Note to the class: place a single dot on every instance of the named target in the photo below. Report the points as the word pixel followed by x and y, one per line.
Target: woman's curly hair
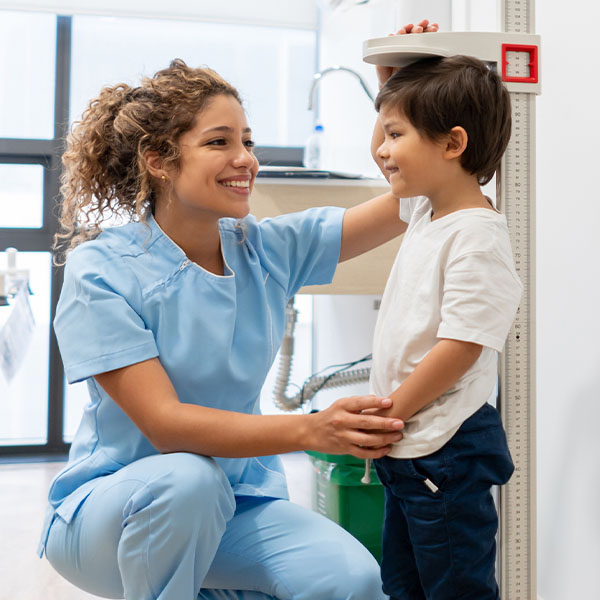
pixel 105 172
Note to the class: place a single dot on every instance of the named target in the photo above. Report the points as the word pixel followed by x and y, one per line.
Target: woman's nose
pixel 244 157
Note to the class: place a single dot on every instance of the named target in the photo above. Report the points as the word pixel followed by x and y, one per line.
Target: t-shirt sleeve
pixel 98 324
pixel 302 248
pixel 481 294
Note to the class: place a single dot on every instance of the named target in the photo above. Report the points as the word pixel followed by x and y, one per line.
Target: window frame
pixel 46 153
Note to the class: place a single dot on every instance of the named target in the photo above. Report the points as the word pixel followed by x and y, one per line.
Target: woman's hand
pixel 384 73
pixel 344 428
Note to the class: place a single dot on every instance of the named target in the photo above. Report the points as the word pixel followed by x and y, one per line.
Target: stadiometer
pixel 515 53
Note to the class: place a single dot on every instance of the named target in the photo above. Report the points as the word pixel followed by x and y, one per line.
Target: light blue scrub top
pixel 131 294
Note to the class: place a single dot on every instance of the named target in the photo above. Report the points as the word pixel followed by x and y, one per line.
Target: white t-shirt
pixel 453 278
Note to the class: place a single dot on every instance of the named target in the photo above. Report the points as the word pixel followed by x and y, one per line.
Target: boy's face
pixel 415 163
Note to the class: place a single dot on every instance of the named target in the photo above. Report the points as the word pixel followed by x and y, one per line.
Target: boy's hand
pixel 423 27
pixel 384 73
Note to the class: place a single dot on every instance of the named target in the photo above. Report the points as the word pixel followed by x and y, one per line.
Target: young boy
pixel 448 306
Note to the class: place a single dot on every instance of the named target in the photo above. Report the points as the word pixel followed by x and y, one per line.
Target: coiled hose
pixel 314 383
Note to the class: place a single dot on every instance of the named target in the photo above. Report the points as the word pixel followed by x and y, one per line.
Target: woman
pixel 172 488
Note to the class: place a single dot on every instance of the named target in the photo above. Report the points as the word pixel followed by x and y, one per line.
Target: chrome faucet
pixel 318 76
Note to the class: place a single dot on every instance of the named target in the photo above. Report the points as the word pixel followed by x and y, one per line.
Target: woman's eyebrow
pixel 226 129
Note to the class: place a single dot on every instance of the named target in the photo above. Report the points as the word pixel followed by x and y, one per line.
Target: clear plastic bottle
pixel 313 150
pixel 12 278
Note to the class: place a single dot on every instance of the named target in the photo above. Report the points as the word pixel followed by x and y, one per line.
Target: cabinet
pixel 365 274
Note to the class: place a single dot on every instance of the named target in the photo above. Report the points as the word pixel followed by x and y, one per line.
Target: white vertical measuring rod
pixel 518 552
pixel 515 53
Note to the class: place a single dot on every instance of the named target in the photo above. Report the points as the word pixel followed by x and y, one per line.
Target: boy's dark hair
pixel 437 94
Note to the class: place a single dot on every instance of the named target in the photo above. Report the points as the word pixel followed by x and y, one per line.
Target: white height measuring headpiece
pixel 516 57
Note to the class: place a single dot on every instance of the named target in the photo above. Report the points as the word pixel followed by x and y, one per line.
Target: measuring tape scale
pixel 517 373
pixel 517 16
pixel 517 504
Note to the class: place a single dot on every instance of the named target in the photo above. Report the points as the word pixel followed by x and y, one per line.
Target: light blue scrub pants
pixel 168 527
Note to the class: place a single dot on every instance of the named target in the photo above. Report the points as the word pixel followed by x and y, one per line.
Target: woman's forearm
pixel 214 432
pixel 340 429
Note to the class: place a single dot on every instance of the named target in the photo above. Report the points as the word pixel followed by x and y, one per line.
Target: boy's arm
pixel 376 221
pixel 376 141
pixel 443 366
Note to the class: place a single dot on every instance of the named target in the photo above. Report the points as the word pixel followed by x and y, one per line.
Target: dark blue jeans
pixel 441 545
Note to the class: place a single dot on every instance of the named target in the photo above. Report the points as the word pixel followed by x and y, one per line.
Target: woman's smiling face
pixel 217 165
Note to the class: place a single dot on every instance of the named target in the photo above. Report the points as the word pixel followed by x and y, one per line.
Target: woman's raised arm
pixel 369 225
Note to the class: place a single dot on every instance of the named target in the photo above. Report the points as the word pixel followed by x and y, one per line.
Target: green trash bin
pixel 339 494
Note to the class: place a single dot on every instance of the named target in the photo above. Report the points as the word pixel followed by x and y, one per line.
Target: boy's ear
pixel 456 142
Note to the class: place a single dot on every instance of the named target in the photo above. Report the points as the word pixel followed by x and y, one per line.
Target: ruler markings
pixel 517 398
pixel 517 16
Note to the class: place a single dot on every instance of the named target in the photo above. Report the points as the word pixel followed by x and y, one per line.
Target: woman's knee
pixel 191 485
pixel 361 579
pixel 347 571
pixel 183 496
pixel 354 582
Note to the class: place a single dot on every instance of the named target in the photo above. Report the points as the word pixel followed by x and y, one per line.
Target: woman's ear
pixel 154 164
pixel 456 142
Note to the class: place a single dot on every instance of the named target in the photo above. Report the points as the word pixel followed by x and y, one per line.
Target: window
pixel 21 196
pixel 24 399
pixel 63 62
pixel 28 45
pixel 256 60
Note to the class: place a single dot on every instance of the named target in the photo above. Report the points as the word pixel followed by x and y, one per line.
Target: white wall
pixel 568 292
pixel 568 275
